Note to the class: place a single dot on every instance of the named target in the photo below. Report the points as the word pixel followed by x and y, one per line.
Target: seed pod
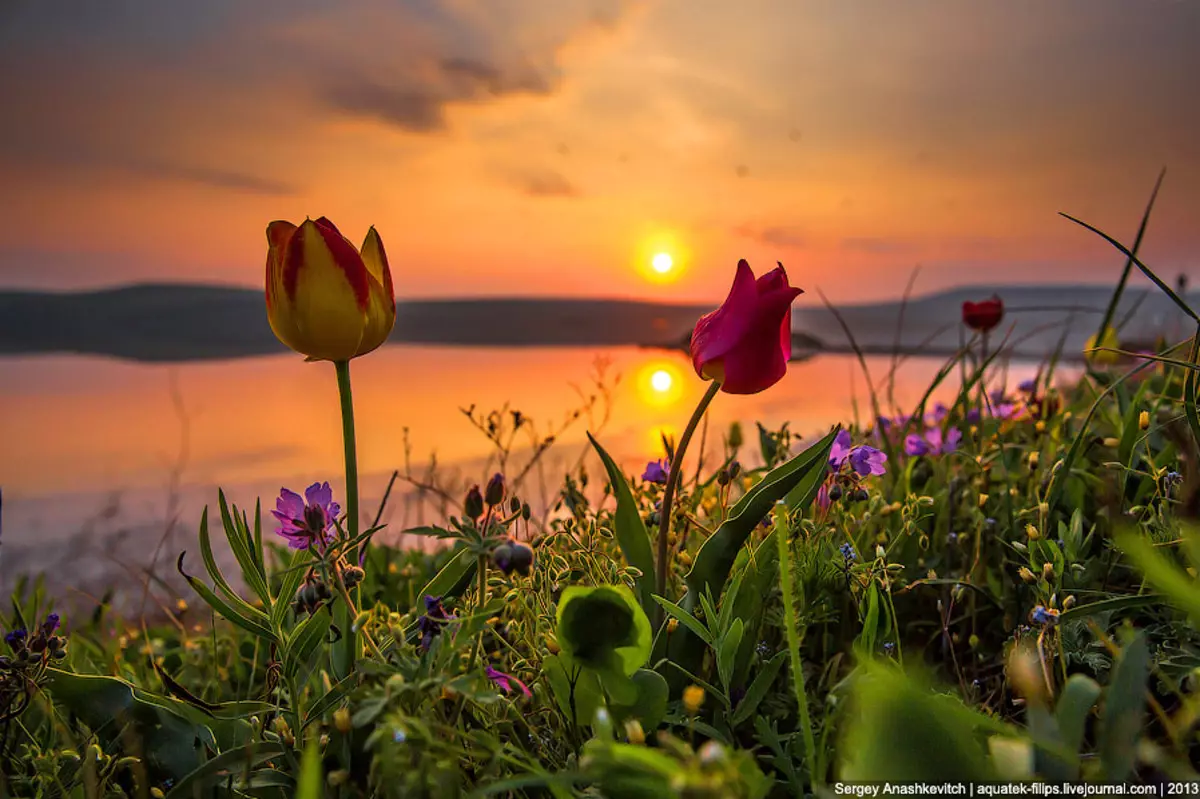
pixel 352 576
pixel 473 504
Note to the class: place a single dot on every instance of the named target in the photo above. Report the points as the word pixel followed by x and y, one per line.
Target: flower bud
pixel 1144 420
pixel 672 625
pixel 983 498
pixel 1032 532
pixel 1069 602
pixel 1039 426
pixel 514 505
pixel 735 469
pixel 341 720
pixel 693 697
pixel 634 732
pixel 1027 575
pixel 473 504
pixel 1048 571
pixel 352 576
pixel 494 493
pixel 1033 459
pixel 526 511
pixel 1111 442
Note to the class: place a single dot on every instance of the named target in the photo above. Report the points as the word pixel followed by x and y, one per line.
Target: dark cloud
pixel 777 236
pixel 545 183
pixel 877 245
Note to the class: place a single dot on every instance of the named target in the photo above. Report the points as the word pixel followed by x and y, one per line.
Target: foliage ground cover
pixel 1001 587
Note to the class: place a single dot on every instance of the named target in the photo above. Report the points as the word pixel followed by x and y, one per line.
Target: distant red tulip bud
pixel 746 343
pixel 983 316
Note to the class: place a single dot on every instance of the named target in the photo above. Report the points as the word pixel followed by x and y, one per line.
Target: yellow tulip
pixel 325 298
pixel 1108 341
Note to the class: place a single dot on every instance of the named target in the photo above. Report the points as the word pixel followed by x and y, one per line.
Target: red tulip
pixel 746 343
pixel 983 316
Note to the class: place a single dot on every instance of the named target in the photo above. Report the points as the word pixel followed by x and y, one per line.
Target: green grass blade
pixel 630 530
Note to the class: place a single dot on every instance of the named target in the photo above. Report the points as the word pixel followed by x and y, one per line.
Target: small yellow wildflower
pixel 693 697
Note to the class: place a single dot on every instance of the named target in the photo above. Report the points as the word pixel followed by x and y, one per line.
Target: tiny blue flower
pixel 1044 616
pixel 847 552
pixel 398 736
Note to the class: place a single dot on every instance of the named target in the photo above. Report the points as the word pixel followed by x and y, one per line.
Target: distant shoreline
pixel 171 323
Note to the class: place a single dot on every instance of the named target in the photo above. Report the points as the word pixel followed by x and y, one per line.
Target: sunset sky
pixel 553 148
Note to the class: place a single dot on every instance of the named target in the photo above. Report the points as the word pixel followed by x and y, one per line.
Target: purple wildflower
pixel 1027 386
pixel 940 411
pixel 16 638
pixel 306 520
pixel 51 624
pixel 841 448
pixel 973 416
pixel 433 621
pixel 932 443
pixel 867 460
pixel 915 446
pixel 656 472
pixel 505 682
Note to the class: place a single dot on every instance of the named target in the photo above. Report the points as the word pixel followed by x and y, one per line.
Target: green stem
pixel 347 400
pixel 790 622
pixel 348 646
pixel 664 522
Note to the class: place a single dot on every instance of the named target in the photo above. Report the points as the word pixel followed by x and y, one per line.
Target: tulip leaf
pixel 717 555
pixel 293 575
pixel 603 628
pixel 629 529
pixel 305 638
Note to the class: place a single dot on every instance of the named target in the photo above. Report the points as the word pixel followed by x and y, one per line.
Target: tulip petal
pixel 719 331
pixel 282 322
pixel 328 290
pixel 381 312
pixel 759 359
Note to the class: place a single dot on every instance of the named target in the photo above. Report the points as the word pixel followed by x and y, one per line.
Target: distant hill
pixel 180 322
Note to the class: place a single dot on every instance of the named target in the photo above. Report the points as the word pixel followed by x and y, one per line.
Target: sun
pixel 662 263
pixel 661 381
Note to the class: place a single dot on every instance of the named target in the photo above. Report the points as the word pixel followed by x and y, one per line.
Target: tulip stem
pixel 347 399
pixel 349 642
pixel 664 521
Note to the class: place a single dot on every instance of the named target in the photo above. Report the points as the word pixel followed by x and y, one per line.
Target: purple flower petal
pixel 290 504
pixel 915 446
pixel 953 438
pixel 319 494
pixel 841 448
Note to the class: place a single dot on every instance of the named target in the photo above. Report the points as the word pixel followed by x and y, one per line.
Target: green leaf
pixel 113 709
pixel 604 628
pixel 630 530
pixel 727 652
pixel 240 542
pixel 304 640
pixel 717 555
pixel 903 732
pixel 871 623
pixel 1181 589
pixel 233 763
pixel 1078 697
pixel 311 782
pixel 651 703
pixel 685 618
pixel 288 586
pixel 586 696
pixel 758 689
pixel 453 578
pixel 1110 606
pixel 237 611
pixel 1124 705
